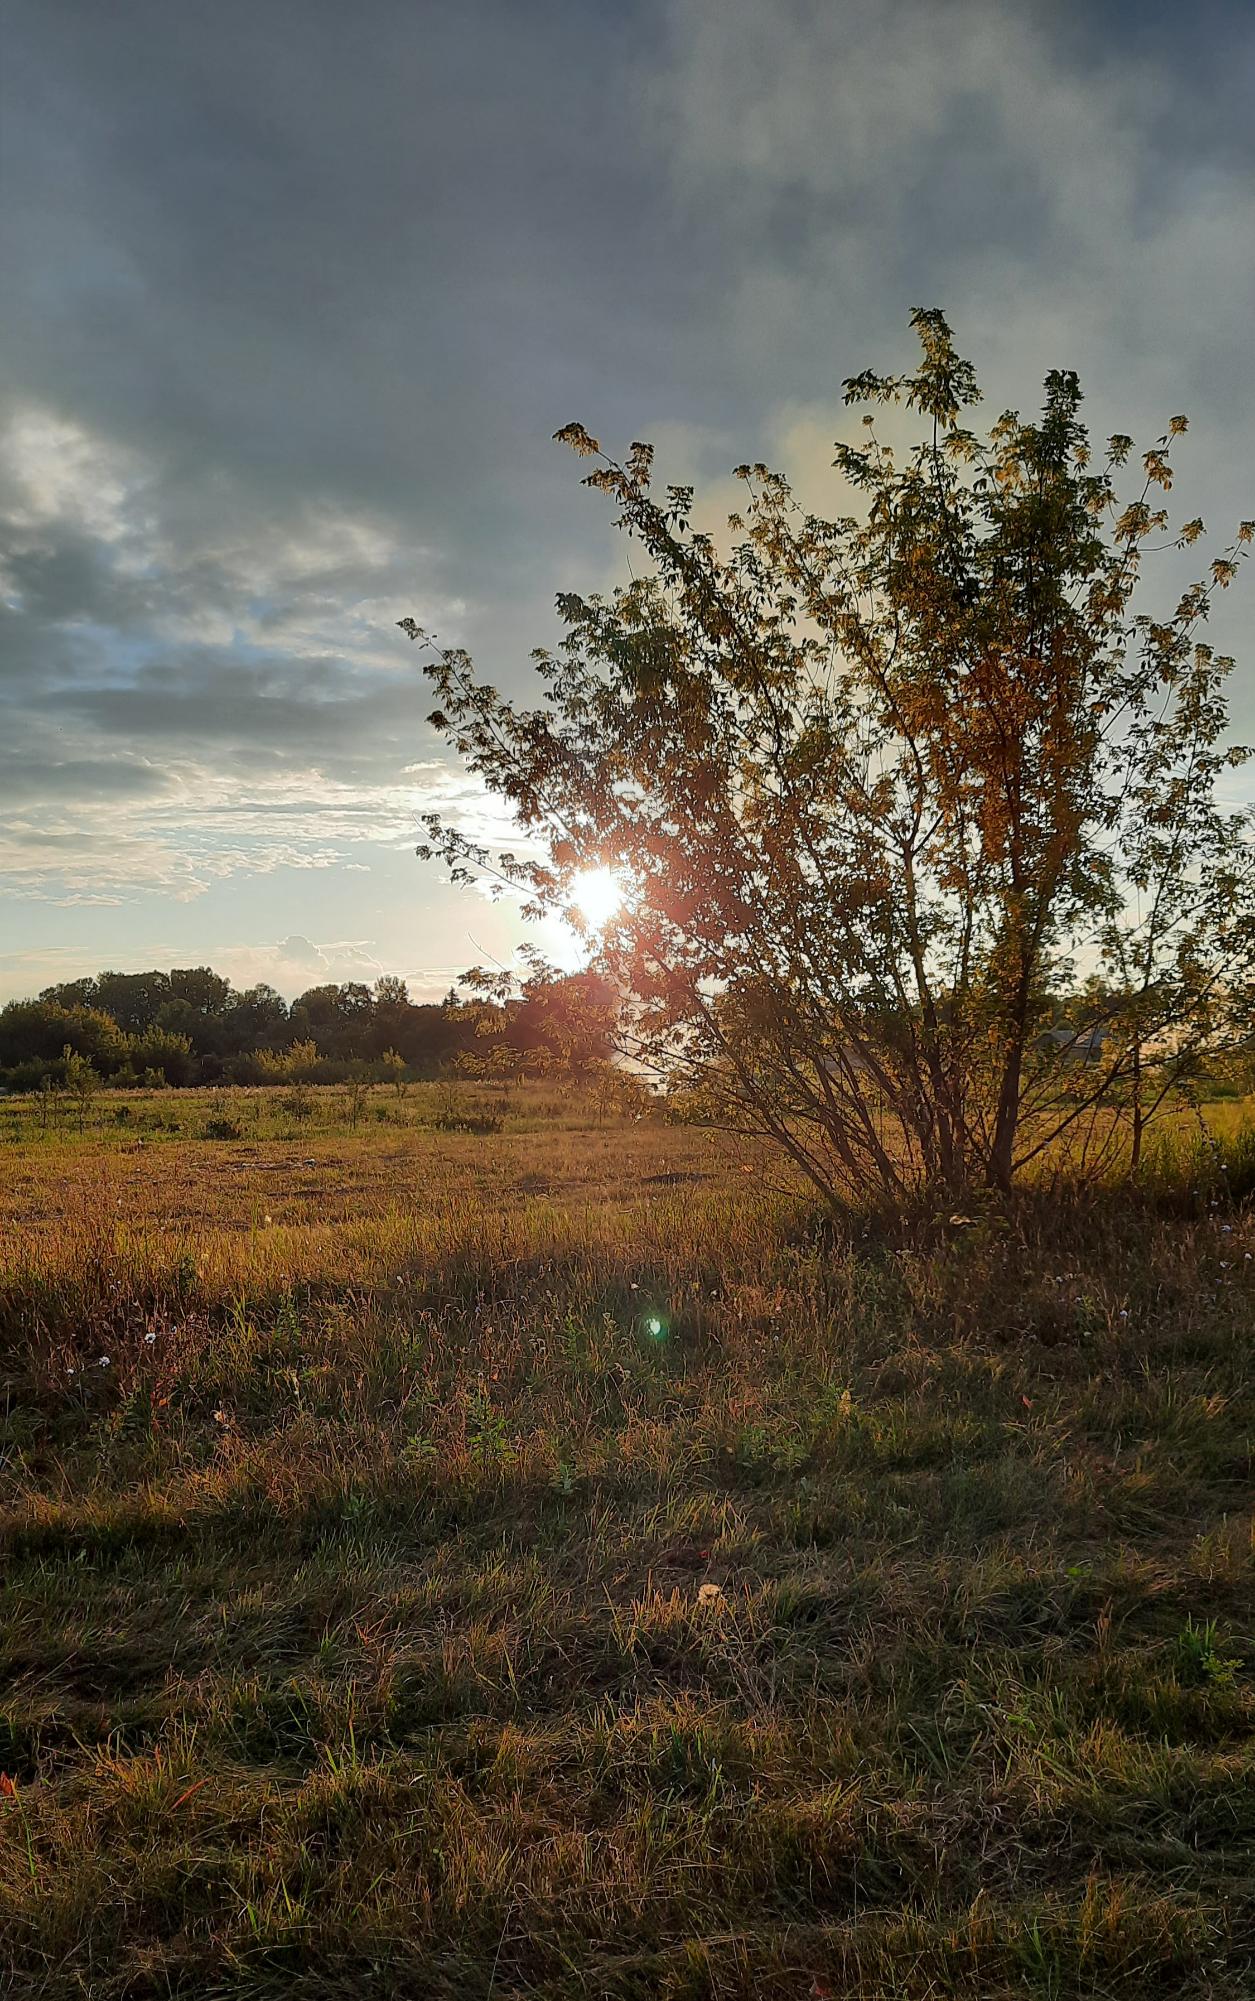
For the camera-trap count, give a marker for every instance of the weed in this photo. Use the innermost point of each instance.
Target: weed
(1199, 1659)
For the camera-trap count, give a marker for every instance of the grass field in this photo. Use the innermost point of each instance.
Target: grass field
(544, 1561)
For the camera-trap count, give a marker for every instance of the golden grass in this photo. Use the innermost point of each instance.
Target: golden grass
(549, 1563)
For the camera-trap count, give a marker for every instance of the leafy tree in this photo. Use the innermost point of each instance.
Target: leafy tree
(479, 1018)
(564, 1025)
(256, 1018)
(161, 1051)
(880, 788)
(39, 1031)
(132, 999)
(337, 1018)
(393, 1017)
(72, 993)
(203, 1031)
(201, 988)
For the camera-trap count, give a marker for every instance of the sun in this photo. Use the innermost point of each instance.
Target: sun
(597, 894)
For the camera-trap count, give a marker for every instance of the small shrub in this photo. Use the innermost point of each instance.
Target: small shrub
(222, 1127)
(481, 1123)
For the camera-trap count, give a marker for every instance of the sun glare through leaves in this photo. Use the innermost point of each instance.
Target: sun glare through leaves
(596, 894)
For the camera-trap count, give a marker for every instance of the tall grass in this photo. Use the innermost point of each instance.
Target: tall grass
(557, 1565)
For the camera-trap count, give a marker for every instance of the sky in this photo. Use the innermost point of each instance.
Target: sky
(297, 293)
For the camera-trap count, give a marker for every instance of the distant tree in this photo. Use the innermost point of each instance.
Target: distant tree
(568, 1023)
(435, 1036)
(478, 1021)
(255, 1019)
(554, 1025)
(394, 1018)
(879, 788)
(200, 988)
(203, 1031)
(40, 1031)
(337, 1018)
(72, 993)
(132, 999)
(161, 1050)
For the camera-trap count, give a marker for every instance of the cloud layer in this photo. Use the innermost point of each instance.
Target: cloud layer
(299, 294)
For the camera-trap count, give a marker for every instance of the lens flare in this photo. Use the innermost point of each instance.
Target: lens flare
(596, 893)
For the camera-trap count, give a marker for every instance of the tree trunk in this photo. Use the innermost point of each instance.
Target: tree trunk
(1139, 1122)
(1002, 1153)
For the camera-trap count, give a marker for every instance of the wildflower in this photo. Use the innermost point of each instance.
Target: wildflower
(149, 1338)
(104, 1361)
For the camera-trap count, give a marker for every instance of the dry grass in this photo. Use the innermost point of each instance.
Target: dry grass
(546, 1563)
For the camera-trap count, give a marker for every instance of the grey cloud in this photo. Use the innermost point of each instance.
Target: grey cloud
(337, 253)
(25, 780)
(314, 713)
(298, 293)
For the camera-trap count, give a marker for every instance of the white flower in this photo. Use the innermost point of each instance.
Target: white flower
(150, 1338)
(104, 1361)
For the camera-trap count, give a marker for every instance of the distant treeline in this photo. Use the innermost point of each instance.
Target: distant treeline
(191, 1026)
